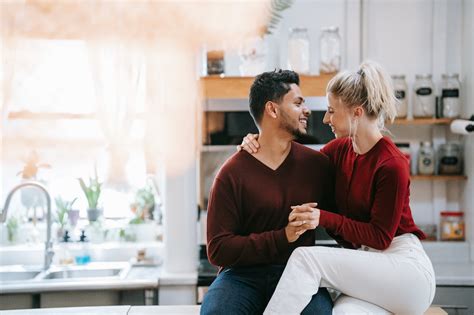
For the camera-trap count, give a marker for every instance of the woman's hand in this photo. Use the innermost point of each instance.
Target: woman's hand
(304, 217)
(249, 143)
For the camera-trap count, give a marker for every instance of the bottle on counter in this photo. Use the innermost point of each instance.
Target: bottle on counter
(298, 50)
(84, 254)
(400, 88)
(426, 159)
(329, 50)
(424, 100)
(450, 86)
(64, 254)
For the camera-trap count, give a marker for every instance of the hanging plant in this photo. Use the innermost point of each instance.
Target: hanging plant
(276, 7)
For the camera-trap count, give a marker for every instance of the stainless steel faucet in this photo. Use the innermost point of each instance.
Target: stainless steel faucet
(48, 246)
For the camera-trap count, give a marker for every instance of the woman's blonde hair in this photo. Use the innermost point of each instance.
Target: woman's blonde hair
(369, 87)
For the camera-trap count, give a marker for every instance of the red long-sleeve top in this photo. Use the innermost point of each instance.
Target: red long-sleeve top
(249, 204)
(372, 195)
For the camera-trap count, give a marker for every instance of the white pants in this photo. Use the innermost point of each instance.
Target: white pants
(399, 279)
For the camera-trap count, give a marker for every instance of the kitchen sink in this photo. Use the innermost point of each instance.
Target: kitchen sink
(84, 273)
(18, 273)
(89, 271)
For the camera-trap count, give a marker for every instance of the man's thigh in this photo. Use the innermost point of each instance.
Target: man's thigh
(234, 292)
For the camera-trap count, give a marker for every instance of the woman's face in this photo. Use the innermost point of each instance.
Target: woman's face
(338, 116)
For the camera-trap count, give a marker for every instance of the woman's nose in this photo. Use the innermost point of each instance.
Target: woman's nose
(326, 118)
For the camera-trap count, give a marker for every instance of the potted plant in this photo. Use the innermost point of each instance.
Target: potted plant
(140, 225)
(92, 192)
(63, 208)
(12, 229)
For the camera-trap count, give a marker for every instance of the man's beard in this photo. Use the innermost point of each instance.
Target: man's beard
(286, 125)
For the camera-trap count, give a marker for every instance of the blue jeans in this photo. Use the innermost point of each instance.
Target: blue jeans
(247, 290)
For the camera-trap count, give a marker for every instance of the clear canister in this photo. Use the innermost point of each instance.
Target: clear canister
(330, 50)
(400, 88)
(426, 159)
(452, 226)
(298, 50)
(450, 89)
(424, 101)
(450, 159)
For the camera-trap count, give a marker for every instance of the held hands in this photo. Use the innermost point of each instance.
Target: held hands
(303, 217)
(249, 143)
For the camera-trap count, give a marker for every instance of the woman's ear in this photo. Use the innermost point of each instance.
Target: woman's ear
(358, 111)
(271, 109)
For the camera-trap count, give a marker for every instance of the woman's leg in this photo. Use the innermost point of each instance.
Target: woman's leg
(391, 281)
(346, 305)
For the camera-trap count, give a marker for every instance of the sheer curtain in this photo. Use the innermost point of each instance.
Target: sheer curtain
(117, 68)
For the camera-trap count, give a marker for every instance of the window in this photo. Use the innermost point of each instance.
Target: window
(52, 110)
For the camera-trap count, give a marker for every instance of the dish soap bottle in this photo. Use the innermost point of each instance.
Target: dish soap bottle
(65, 257)
(83, 257)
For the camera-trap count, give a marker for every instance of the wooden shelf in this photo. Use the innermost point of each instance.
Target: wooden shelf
(423, 121)
(438, 177)
(238, 87)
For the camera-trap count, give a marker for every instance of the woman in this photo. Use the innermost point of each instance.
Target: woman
(390, 272)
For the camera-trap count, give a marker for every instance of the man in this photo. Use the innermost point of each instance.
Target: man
(248, 233)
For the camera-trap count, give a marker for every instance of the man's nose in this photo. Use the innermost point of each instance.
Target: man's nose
(306, 111)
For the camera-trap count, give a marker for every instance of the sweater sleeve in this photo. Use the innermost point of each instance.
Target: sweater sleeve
(392, 182)
(226, 247)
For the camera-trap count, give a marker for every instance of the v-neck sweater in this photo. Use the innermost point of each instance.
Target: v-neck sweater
(372, 194)
(249, 204)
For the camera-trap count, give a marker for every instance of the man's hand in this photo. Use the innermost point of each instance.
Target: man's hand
(303, 217)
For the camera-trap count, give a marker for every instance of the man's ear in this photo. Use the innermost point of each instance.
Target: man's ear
(271, 109)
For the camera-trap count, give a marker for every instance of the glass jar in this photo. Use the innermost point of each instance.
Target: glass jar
(215, 62)
(330, 50)
(298, 50)
(426, 159)
(405, 149)
(452, 226)
(449, 159)
(424, 102)
(400, 88)
(450, 87)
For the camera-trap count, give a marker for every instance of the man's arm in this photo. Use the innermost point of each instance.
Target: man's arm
(225, 245)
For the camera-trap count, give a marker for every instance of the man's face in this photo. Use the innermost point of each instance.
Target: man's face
(294, 113)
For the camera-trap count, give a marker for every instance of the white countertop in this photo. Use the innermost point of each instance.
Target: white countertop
(112, 310)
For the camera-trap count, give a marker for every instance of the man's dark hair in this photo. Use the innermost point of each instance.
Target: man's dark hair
(270, 86)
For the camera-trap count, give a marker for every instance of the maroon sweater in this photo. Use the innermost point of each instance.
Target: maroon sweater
(249, 204)
(372, 194)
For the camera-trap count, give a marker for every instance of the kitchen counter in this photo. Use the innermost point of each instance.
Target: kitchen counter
(454, 274)
(139, 277)
(137, 310)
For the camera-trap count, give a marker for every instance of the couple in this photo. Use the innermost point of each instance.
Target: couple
(267, 200)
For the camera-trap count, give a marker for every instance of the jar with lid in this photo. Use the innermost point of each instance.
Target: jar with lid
(215, 62)
(450, 87)
(424, 101)
(405, 149)
(452, 226)
(450, 160)
(298, 50)
(330, 50)
(426, 159)
(400, 88)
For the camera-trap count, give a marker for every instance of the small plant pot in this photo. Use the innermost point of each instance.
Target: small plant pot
(94, 214)
(73, 216)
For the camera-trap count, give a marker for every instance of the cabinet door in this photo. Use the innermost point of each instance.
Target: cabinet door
(455, 300)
